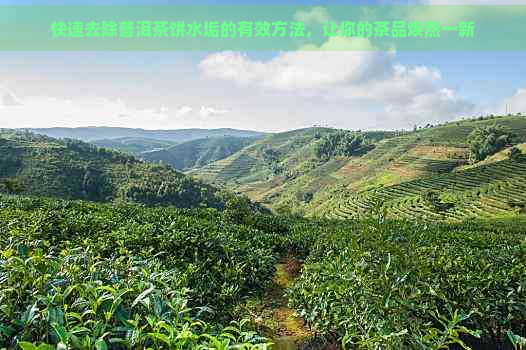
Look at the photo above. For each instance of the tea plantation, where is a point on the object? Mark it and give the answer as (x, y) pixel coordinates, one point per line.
(497, 189)
(123, 276)
(82, 275)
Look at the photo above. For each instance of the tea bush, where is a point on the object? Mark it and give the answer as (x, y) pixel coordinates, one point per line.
(94, 276)
(87, 275)
(394, 285)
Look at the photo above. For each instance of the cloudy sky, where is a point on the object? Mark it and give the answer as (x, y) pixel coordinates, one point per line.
(267, 91)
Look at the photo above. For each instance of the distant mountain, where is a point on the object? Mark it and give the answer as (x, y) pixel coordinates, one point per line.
(92, 133)
(198, 153)
(134, 145)
(37, 165)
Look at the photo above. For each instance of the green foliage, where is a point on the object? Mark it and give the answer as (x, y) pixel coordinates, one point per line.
(272, 158)
(72, 169)
(85, 275)
(433, 199)
(517, 341)
(307, 196)
(198, 153)
(485, 141)
(484, 191)
(270, 155)
(515, 154)
(394, 285)
(11, 186)
(341, 143)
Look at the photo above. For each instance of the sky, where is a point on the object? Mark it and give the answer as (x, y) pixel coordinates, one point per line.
(266, 91)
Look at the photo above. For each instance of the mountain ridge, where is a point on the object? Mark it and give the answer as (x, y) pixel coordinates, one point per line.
(38, 165)
(92, 133)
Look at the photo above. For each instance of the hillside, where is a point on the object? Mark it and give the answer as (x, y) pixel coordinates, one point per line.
(133, 145)
(78, 273)
(93, 133)
(41, 166)
(296, 178)
(198, 153)
(496, 189)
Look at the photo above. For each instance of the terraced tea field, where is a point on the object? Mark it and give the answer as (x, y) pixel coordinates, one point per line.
(492, 190)
(227, 169)
(456, 133)
(438, 166)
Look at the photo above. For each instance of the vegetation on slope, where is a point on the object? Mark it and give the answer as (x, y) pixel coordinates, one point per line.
(341, 143)
(486, 141)
(84, 275)
(198, 153)
(285, 172)
(491, 190)
(265, 169)
(133, 145)
(393, 285)
(87, 275)
(38, 165)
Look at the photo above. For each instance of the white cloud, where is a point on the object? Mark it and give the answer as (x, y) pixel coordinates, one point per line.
(8, 98)
(48, 111)
(513, 104)
(299, 70)
(430, 107)
(206, 112)
(183, 111)
(44, 111)
(367, 78)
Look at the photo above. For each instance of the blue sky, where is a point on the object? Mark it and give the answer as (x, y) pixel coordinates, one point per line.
(255, 90)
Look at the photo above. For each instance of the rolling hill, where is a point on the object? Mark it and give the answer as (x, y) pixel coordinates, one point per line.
(198, 153)
(133, 145)
(92, 133)
(41, 166)
(296, 177)
(492, 190)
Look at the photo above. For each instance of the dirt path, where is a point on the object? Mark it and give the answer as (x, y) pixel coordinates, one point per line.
(287, 329)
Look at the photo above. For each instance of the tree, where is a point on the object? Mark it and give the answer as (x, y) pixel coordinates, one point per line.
(433, 199)
(485, 141)
(270, 156)
(340, 143)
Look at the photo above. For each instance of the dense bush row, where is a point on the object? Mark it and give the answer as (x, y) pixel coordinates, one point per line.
(393, 285)
(89, 275)
(488, 140)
